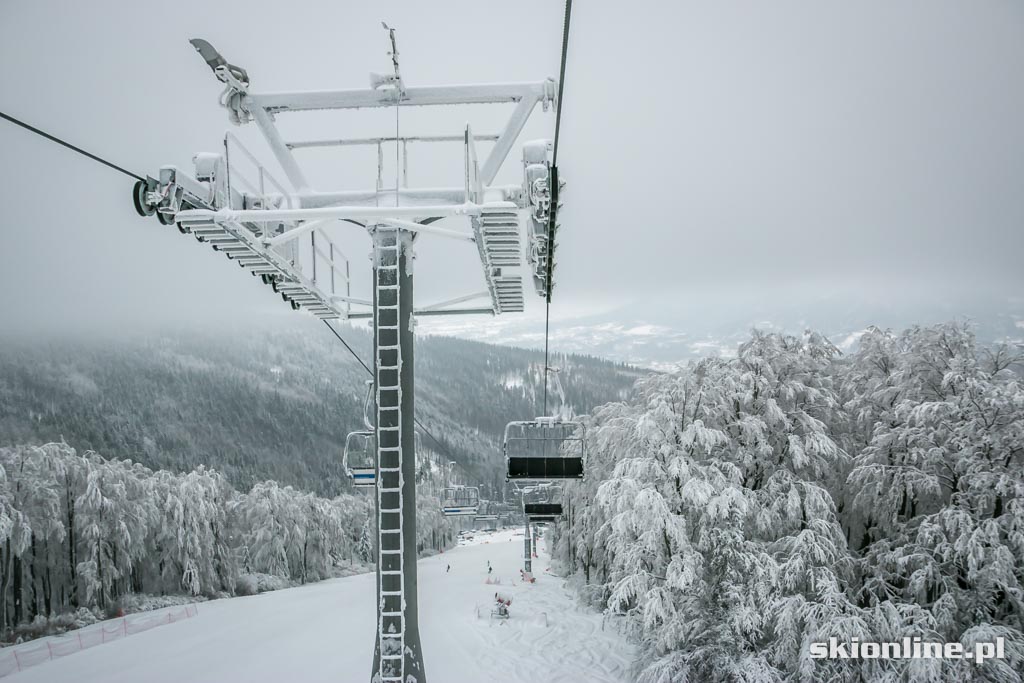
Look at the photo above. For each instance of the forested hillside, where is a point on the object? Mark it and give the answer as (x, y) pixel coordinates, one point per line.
(270, 402)
(747, 507)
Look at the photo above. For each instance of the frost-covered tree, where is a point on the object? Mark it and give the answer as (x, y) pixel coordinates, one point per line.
(937, 491)
(366, 545)
(743, 508)
(29, 517)
(82, 530)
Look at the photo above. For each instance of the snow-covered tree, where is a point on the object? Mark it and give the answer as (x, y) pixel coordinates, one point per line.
(82, 530)
(743, 508)
(937, 491)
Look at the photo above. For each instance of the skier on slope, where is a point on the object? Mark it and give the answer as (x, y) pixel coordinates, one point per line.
(448, 570)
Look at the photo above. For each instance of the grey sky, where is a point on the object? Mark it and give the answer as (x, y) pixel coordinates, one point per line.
(708, 146)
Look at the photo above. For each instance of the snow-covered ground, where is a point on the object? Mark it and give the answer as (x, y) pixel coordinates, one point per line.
(324, 632)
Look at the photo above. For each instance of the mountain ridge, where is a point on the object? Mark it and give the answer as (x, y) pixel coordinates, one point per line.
(273, 401)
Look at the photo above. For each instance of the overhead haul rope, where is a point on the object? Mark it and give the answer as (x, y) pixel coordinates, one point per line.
(54, 138)
(554, 199)
(444, 451)
(101, 160)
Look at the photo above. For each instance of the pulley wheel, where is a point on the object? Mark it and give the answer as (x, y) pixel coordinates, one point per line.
(139, 199)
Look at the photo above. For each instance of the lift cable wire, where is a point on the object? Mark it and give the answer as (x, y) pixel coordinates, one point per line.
(441, 446)
(54, 138)
(128, 173)
(554, 199)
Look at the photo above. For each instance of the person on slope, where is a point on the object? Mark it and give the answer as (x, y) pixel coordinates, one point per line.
(448, 570)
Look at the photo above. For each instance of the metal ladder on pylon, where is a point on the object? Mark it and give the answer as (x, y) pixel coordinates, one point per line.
(391, 555)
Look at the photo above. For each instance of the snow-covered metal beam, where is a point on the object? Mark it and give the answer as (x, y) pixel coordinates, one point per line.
(430, 229)
(457, 300)
(456, 311)
(408, 196)
(280, 150)
(370, 213)
(501, 149)
(354, 142)
(297, 232)
(413, 97)
(351, 300)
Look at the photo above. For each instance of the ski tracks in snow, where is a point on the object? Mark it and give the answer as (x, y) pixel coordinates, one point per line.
(550, 638)
(324, 632)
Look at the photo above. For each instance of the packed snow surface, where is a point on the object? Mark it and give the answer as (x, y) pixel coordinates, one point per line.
(325, 632)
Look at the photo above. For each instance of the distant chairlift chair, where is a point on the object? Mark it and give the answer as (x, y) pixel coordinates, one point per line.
(360, 460)
(459, 501)
(542, 503)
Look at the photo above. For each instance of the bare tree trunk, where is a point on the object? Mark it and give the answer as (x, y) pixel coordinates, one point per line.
(17, 573)
(34, 611)
(73, 576)
(101, 601)
(5, 553)
(47, 588)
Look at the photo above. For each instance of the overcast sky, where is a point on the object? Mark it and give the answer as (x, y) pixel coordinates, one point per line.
(709, 147)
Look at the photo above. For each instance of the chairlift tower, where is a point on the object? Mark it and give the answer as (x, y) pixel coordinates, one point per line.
(282, 233)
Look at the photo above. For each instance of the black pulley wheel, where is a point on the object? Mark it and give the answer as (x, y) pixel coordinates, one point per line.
(165, 218)
(139, 199)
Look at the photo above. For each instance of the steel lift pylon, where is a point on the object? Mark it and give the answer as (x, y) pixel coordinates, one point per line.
(260, 223)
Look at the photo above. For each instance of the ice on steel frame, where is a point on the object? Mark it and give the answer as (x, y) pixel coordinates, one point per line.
(258, 222)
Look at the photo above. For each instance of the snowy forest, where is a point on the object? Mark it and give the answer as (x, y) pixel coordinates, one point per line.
(743, 508)
(206, 463)
(78, 530)
(271, 401)
(732, 513)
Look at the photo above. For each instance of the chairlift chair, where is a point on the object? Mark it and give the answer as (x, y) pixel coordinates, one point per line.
(543, 449)
(457, 501)
(361, 458)
(543, 520)
(486, 514)
(361, 448)
(543, 502)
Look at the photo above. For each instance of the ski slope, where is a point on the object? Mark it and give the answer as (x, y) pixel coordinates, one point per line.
(324, 632)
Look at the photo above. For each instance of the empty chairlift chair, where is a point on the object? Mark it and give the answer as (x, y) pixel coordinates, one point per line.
(486, 516)
(542, 503)
(545, 448)
(361, 458)
(460, 500)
